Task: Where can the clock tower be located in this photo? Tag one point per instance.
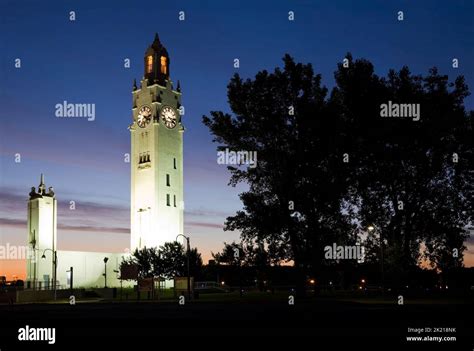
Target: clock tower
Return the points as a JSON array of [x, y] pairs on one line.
[[156, 158]]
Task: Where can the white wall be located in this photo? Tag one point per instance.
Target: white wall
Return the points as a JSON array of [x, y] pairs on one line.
[[88, 269]]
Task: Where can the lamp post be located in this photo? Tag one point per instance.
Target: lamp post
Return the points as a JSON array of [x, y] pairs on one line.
[[55, 265], [371, 228], [33, 247], [140, 211], [187, 256], [105, 272], [71, 279], [34, 258]]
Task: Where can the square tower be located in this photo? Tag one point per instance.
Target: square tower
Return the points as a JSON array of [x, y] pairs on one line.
[[156, 154], [42, 236]]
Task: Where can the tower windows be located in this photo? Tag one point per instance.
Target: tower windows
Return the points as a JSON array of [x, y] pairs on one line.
[[167, 180], [143, 157], [167, 199], [163, 65], [174, 163], [174, 200], [149, 64]]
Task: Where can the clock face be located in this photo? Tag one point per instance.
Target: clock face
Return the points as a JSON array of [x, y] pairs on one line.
[[144, 116], [168, 115]]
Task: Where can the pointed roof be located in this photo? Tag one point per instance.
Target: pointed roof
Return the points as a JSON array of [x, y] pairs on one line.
[[42, 187], [156, 43], [156, 46]]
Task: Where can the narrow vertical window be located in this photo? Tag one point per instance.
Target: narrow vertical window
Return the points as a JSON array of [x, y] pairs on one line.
[[167, 180], [163, 65], [149, 64], [174, 163], [174, 200], [167, 199]]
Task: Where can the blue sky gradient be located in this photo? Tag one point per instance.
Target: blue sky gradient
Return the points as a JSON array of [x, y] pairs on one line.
[[83, 62]]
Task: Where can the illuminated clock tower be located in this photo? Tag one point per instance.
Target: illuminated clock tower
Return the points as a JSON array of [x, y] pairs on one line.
[[156, 154]]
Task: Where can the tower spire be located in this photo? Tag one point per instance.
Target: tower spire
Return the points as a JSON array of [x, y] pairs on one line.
[[156, 41], [42, 187]]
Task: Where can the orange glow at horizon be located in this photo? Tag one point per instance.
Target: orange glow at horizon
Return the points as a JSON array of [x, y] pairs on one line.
[[11, 268]]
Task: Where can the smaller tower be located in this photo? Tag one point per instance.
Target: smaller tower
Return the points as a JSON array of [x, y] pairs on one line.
[[42, 236]]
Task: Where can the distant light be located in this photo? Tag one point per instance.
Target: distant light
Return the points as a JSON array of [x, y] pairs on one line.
[[222, 283], [370, 228], [311, 281], [362, 281], [446, 286], [330, 283], [360, 288]]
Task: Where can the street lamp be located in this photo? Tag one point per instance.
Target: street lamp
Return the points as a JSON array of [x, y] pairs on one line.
[[187, 255], [105, 271], [371, 228], [71, 279], [55, 265], [33, 247]]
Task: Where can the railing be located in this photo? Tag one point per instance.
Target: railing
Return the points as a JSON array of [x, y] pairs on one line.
[[40, 285]]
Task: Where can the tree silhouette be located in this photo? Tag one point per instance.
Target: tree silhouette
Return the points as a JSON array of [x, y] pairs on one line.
[[296, 191], [234, 254], [167, 261], [411, 178], [328, 166]]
